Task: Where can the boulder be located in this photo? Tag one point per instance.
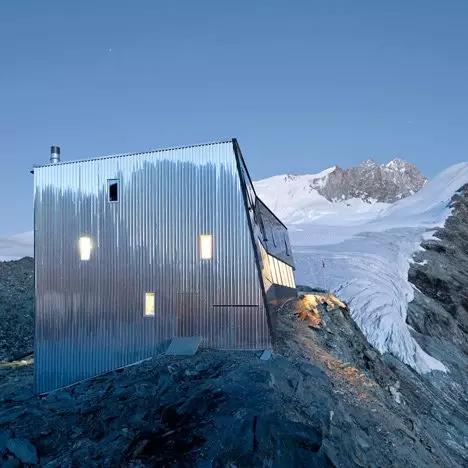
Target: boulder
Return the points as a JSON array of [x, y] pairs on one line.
[[23, 450], [11, 462], [4, 437]]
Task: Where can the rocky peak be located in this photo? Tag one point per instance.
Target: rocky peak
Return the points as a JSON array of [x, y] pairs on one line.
[[369, 163], [398, 164], [372, 182]]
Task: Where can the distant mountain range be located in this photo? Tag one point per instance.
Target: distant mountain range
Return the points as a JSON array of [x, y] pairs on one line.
[[297, 198]]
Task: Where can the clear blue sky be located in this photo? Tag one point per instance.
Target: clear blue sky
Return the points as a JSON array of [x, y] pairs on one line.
[[303, 85]]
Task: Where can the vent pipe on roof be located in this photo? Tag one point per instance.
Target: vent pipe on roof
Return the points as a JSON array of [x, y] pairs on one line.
[[54, 154]]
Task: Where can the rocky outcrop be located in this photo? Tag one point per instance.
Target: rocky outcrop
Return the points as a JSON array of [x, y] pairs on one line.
[[372, 182], [438, 315], [16, 308], [441, 275], [325, 398]]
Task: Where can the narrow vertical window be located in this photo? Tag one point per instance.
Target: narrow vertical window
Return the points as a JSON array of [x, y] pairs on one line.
[[206, 246], [113, 190], [293, 283], [85, 248], [149, 304]]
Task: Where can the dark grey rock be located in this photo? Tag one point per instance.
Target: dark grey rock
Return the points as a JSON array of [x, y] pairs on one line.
[[362, 440], [11, 415], [371, 355], [138, 419], [23, 395], [61, 407], [23, 450], [60, 395], [16, 308], [91, 409], [10, 462], [4, 438]]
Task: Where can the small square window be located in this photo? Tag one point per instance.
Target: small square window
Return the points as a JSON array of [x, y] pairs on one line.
[[149, 304], [113, 190]]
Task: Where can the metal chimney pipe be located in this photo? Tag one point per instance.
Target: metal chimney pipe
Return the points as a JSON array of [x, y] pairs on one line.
[[54, 154]]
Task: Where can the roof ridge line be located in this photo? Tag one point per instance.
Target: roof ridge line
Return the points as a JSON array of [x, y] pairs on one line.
[[121, 155]]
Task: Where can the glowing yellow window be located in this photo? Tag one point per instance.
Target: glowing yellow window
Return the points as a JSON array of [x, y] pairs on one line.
[[85, 248], [149, 304], [206, 246]]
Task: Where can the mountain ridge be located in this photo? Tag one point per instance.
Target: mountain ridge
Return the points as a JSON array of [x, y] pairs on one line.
[[370, 181], [340, 193]]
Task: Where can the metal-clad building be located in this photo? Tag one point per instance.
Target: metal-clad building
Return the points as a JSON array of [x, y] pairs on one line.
[[135, 249]]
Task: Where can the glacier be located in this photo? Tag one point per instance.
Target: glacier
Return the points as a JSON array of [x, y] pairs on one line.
[[364, 255]]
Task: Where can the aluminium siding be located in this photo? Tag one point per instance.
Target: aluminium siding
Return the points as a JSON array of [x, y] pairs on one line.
[[89, 314]]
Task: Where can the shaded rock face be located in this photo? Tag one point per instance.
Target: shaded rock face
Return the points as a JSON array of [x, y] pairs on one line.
[[439, 312], [372, 182], [16, 307], [324, 398], [212, 409], [441, 275], [428, 411]]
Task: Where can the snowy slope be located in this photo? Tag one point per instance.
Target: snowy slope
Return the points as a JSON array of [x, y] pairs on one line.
[[365, 189], [295, 199], [367, 262]]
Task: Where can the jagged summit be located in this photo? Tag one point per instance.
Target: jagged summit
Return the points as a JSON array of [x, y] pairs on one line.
[[370, 182]]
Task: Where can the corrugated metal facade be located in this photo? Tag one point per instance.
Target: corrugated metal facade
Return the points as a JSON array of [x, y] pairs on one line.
[[89, 314]]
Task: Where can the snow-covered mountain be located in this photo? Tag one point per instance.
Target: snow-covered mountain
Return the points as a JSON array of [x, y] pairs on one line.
[[340, 193]]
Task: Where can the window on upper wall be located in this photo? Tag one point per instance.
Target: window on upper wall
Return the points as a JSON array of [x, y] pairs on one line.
[[286, 246], [206, 246], [149, 304], [113, 190], [85, 248]]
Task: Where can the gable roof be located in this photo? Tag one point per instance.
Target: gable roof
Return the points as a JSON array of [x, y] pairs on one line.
[[123, 155]]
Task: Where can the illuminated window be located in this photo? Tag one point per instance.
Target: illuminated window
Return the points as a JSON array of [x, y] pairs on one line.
[[149, 304], [113, 190], [276, 271], [206, 246], [280, 272], [283, 273], [287, 270], [293, 282], [85, 248]]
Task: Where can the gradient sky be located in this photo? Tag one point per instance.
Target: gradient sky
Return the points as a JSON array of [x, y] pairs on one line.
[[303, 85]]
